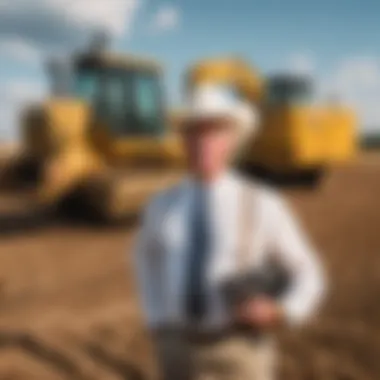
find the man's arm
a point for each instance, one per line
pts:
(307, 284)
(147, 263)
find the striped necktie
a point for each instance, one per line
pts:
(198, 253)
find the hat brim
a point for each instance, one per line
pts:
(210, 119)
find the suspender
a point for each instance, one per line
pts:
(245, 225)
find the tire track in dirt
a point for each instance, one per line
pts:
(67, 309)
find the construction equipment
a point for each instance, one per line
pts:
(103, 144)
(296, 136)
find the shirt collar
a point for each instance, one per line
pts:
(220, 184)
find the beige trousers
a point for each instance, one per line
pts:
(230, 358)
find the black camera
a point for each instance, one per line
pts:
(271, 280)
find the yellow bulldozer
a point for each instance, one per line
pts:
(103, 146)
(298, 138)
(108, 143)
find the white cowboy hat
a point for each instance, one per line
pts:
(208, 101)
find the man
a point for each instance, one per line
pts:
(212, 227)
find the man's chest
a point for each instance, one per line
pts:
(236, 242)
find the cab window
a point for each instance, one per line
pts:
(85, 84)
(148, 104)
(289, 90)
(112, 101)
(127, 102)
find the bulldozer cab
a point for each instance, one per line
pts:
(286, 89)
(125, 94)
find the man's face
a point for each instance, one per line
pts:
(209, 146)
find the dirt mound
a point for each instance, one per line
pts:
(67, 309)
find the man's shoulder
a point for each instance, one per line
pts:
(265, 194)
(162, 200)
(270, 196)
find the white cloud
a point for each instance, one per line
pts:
(358, 73)
(57, 24)
(166, 18)
(17, 49)
(301, 63)
(14, 97)
(355, 81)
(9, 122)
(32, 29)
(114, 16)
(19, 92)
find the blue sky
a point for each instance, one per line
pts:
(338, 42)
(266, 31)
(270, 33)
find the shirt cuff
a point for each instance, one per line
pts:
(295, 311)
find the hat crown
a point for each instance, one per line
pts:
(213, 97)
(215, 101)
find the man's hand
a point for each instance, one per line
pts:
(261, 312)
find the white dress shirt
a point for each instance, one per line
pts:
(160, 254)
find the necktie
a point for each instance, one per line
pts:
(199, 247)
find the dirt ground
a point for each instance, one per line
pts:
(67, 309)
